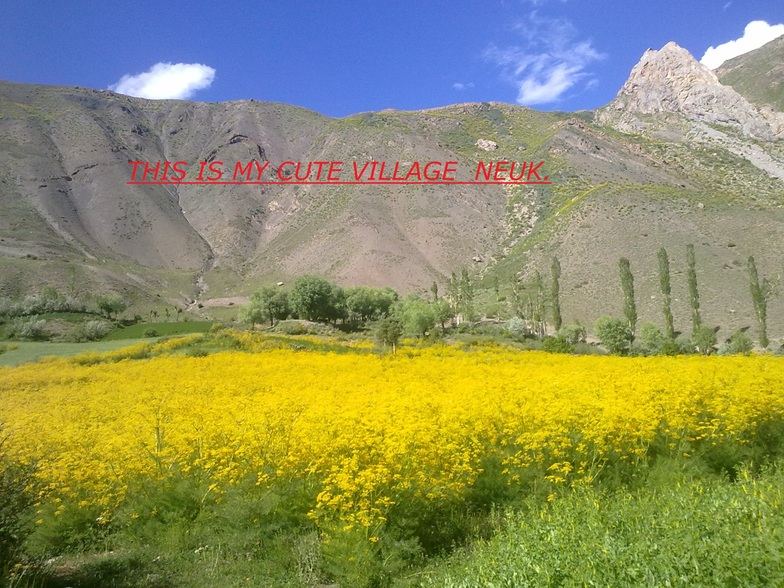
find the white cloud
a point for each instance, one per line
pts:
(549, 63)
(460, 86)
(756, 34)
(166, 80)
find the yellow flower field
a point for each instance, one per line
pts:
(368, 431)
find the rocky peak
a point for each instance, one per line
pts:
(672, 80)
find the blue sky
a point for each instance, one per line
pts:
(340, 58)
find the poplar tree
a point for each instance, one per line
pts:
(694, 295)
(759, 296)
(666, 290)
(466, 289)
(536, 304)
(555, 294)
(629, 306)
(453, 293)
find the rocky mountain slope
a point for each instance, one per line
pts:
(678, 157)
(758, 75)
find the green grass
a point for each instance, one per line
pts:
(28, 351)
(163, 330)
(677, 530)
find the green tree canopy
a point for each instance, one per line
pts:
(312, 298)
(613, 333)
(111, 304)
(267, 304)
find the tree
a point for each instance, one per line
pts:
(434, 290)
(666, 290)
(312, 298)
(466, 289)
(555, 294)
(336, 309)
(453, 293)
(365, 303)
(442, 312)
(388, 332)
(267, 304)
(111, 304)
(361, 303)
(517, 298)
(694, 295)
(417, 315)
(629, 306)
(760, 294)
(536, 305)
(384, 299)
(613, 333)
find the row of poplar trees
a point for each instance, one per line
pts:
(761, 293)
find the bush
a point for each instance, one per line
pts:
(96, 329)
(557, 345)
(48, 301)
(573, 333)
(613, 333)
(651, 339)
(741, 343)
(516, 328)
(670, 347)
(684, 345)
(151, 332)
(34, 329)
(292, 329)
(111, 304)
(705, 339)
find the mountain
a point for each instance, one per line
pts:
(678, 157)
(758, 75)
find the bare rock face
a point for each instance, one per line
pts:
(486, 144)
(672, 80)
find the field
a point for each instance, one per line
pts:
(279, 462)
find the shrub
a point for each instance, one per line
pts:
(516, 328)
(684, 345)
(292, 329)
(96, 329)
(111, 304)
(557, 345)
(151, 332)
(33, 328)
(651, 338)
(741, 343)
(573, 333)
(670, 347)
(705, 339)
(613, 333)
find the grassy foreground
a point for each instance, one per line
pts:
(235, 459)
